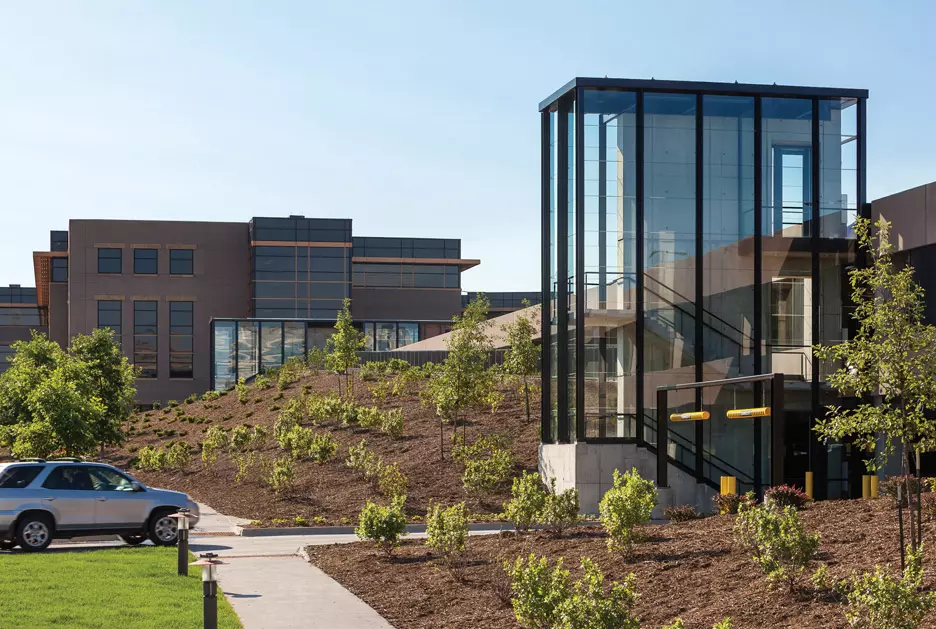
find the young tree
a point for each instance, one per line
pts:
(889, 365)
(343, 347)
(523, 357)
(463, 380)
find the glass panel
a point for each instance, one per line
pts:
(224, 355)
(610, 247)
(294, 339)
(180, 343)
(19, 316)
(271, 340)
(248, 358)
(553, 272)
(669, 251)
(181, 366)
(838, 167)
(145, 261)
(59, 269)
(786, 141)
(317, 336)
(568, 145)
(274, 290)
(144, 317)
(386, 337)
(109, 260)
(407, 333)
(369, 336)
(181, 262)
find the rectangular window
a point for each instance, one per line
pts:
(19, 316)
(108, 316)
(181, 262)
(386, 337)
(145, 261)
(787, 311)
(145, 337)
(59, 269)
(181, 330)
(109, 260)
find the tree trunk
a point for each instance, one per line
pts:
(339, 385)
(909, 493)
(526, 391)
(441, 439)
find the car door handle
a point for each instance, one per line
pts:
(49, 499)
(101, 499)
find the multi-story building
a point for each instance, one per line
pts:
(196, 305)
(696, 232)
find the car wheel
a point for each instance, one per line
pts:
(133, 540)
(34, 532)
(163, 530)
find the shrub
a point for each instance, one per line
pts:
(527, 498)
(215, 441)
(391, 481)
(560, 510)
(245, 462)
(381, 390)
(282, 476)
(210, 396)
(263, 382)
(315, 359)
(323, 448)
(156, 405)
(258, 437)
(777, 540)
(537, 591)
(290, 417)
(397, 365)
(304, 444)
(488, 463)
(369, 417)
(243, 391)
(382, 525)
(348, 412)
(391, 423)
(172, 403)
(323, 408)
(360, 459)
(880, 600)
(178, 455)
(681, 513)
(447, 530)
(152, 459)
(786, 496)
(239, 438)
(191, 399)
(628, 503)
(728, 504)
(373, 370)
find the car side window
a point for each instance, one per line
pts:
(104, 479)
(70, 477)
(19, 477)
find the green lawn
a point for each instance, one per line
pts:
(130, 588)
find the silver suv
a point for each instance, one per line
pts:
(42, 500)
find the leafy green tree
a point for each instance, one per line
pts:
(343, 346)
(522, 359)
(628, 503)
(463, 380)
(890, 359)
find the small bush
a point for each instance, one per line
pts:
(239, 438)
(323, 448)
(348, 413)
(282, 476)
(258, 437)
(681, 513)
(777, 540)
(560, 510)
(215, 441)
(178, 455)
(391, 423)
(263, 382)
(152, 459)
(315, 359)
(360, 458)
(245, 463)
(383, 525)
(628, 503)
(242, 390)
(488, 463)
(210, 396)
(369, 417)
(323, 408)
(372, 370)
(391, 481)
(880, 600)
(447, 530)
(172, 404)
(728, 504)
(156, 405)
(527, 498)
(786, 496)
(191, 399)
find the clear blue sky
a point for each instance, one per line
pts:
(412, 118)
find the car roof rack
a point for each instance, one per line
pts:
(31, 459)
(68, 459)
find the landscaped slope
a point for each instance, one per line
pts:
(328, 492)
(690, 570)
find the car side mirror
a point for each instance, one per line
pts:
(137, 486)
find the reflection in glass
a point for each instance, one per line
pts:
(248, 358)
(271, 344)
(294, 339)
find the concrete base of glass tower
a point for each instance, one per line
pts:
(589, 467)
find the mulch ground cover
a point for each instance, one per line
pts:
(690, 570)
(331, 491)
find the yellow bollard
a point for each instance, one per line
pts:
(729, 485)
(874, 486)
(809, 484)
(865, 486)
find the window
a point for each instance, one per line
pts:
(109, 260)
(145, 338)
(787, 311)
(405, 276)
(69, 477)
(407, 333)
(108, 316)
(19, 316)
(181, 330)
(181, 262)
(18, 476)
(59, 269)
(145, 261)
(386, 337)
(104, 479)
(58, 241)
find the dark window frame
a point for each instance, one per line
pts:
(182, 362)
(181, 262)
(148, 361)
(118, 329)
(105, 256)
(139, 260)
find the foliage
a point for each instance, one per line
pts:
(242, 390)
(191, 399)
(527, 498)
(369, 416)
(391, 422)
(324, 408)
(391, 481)
(178, 455)
(245, 462)
(522, 359)
(728, 504)
(287, 420)
(629, 502)
(343, 347)
(463, 380)
(151, 459)
(305, 444)
(488, 462)
(786, 496)
(239, 438)
(315, 359)
(34, 439)
(282, 476)
(681, 513)
(880, 600)
(907, 484)
(560, 510)
(777, 541)
(214, 442)
(289, 372)
(537, 591)
(383, 525)
(263, 382)
(447, 530)
(360, 458)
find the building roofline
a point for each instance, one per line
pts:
(707, 87)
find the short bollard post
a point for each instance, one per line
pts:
(183, 530)
(208, 563)
(809, 485)
(866, 487)
(875, 485)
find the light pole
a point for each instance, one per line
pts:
(183, 530)
(208, 561)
